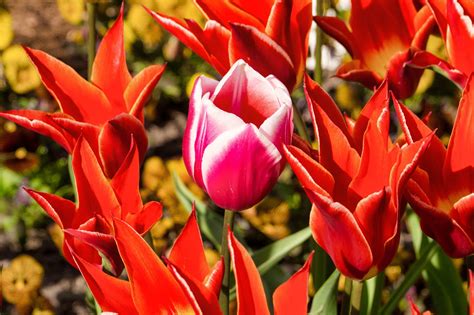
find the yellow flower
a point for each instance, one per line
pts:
(71, 10)
(19, 71)
(6, 29)
(21, 280)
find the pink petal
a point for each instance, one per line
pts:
(240, 167)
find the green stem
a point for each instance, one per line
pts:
(410, 277)
(322, 267)
(299, 124)
(92, 37)
(318, 69)
(346, 300)
(224, 296)
(356, 296)
(377, 294)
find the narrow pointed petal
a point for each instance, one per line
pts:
(93, 188)
(205, 300)
(61, 210)
(250, 152)
(140, 89)
(438, 8)
(277, 24)
(115, 141)
(355, 71)
(310, 173)
(316, 96)
(463, 213)
(291, 297)
(42, 123)
(458, 169)
(213, 280)
(102, 242)
(250, 293)
(143, 269)
(337, 29)
(424, 59)
(259, 9)
(338, 233)
(126, 183)
(471, 292)
(111, 293)
(76, 97)
(194, 266)
(144, 220)
(226, 12)
(262, 53)
(109, 71)
(179, 29)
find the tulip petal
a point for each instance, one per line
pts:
(291, 297)
(438, 8)
(206, 302)
(225, 13)
(93, 188)
(240, 93)
(463, 213)
(213, 280)
(310, 173)
(458, 168)
(101, 242)
(253, 155)
(471, 292)
(139, 89)
(278, 128)
(76, 97)
(250, 293)
(316, 96)
(259, 9)
(194, 266)
(262, 53)
(424, 59)
(144, 220)
(42, 123)
(441, 227)
(109, 71)
(115, 142)
(112, 294)
(61, 210)
(126, 183)
(277, 24)
(337, 29)
(459, 37)
(355, 71)
(144, 268)
(335, 229)
(335, 153)
(179, 29)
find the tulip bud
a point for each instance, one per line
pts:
(235, 135)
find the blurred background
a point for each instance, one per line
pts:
(35, 279)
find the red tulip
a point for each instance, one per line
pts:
(356, 185)
(290, 297)
(99, 201)
(185, 285)
(271, 36)
(382, 35)
(110, 106)
(233, 140)
(441, 191)
(454, 18)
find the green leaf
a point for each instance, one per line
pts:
(444, 281)
(210, 222)
(270, 255)
(324, 302)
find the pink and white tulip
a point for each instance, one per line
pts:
(235, 135)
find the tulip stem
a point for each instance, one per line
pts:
(92, 34)
(224, 296)
(346, 300)
(299, 124)
(356, 296)
(318, 69)
(411, 276)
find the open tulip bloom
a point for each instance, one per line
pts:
(381, 37)
(454, 18)
(270, 35)
(441, 190)
(357, 184)
(106, 112)
(235, 133)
